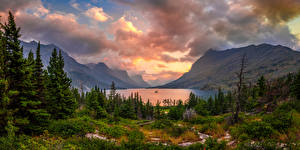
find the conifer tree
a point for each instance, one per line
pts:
(296, 86)
(60, 102)
(261, 85)
(210, 104)
(20, 91)
(4, 100)
(39, 75)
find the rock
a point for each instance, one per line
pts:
(203, 136)
(227, 137)
(96, 136)
(155, 139)
(231, 143)
(185, 144)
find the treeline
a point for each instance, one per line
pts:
(29, 95)
(112, 105)
(263, 96)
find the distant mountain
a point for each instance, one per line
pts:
(88, 75)
(217, 68)
(140, 81)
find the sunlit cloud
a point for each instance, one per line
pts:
(159, 39)
(97, 14)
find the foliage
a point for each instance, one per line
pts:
(255, 130)
(176, 112)
(280, 119)
(68, 128)
(161, 124)
(60, 101)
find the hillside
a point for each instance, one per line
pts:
(218, 68)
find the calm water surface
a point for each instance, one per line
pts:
(160, 94)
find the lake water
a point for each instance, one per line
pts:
(153, 95)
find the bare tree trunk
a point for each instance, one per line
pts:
(240, 83)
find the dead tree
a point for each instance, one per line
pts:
(241, 78)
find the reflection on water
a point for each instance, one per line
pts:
(153, 95)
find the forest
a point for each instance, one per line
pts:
(40, 110)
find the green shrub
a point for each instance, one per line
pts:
(201, 109)
(208, 126)
(280, 119)
(213, 144)
(197, 146)
(175, 113)
(176, 130)
(243, 137)
(67, 128)
(90, 144)
(115, 131)
(207, 119)
(257, 129)
(263, 145)
(161, 124)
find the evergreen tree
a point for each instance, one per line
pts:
(296, 86)
(261, 86)
(4, 99)
(210, 104)
(60, 102)
(192, 101)
(157, 111)
(23, 106)
(39, 75)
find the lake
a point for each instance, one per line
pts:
(153, 95)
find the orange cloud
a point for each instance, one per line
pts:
(97, 14)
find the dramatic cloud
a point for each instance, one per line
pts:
(64, 31)
(15, 5)
(160, 38)
(97, 14)
(277, 10)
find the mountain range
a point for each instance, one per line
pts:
(218, 68)
(87, 75)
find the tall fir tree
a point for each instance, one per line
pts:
(18, 75)
(39, 75)
(60, 101)
(296, 86)
(4, 99)
(261, 86)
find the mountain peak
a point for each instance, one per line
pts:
(217, 68)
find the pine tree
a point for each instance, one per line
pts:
(39, 75)
(60, 102)
(4, 99)
(296, 86)
(261, 85)
(210, 104)
(20, 91)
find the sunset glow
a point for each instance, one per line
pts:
(159, 39)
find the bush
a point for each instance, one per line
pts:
(175, 113)
(213, 144)
(90, 144)
(257, 129)
(115, 131)
(161, 124)
(201, 109)
(176, 130)
(67, 128)
(197, 146)
(264, 145)
(280, 119)
(207, 119)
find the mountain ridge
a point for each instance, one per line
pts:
(217, 68)
(86, 75)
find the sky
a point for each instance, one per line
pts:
(159, 39)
